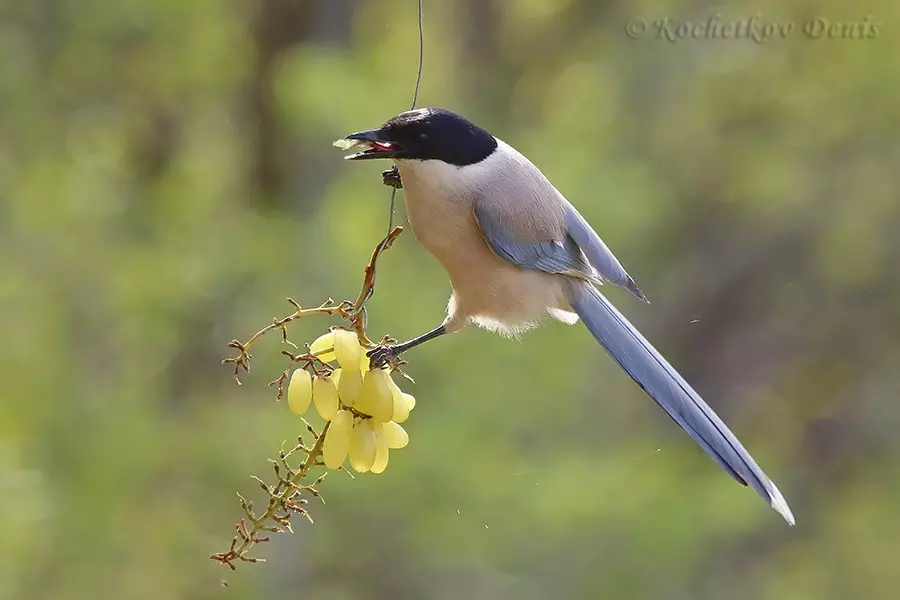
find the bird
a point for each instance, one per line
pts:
(516, 250)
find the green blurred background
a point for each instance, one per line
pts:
(167, 178)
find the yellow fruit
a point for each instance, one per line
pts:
(347, 349)
(345, 144)
(394, 435)
(410, 400)
(364, 362)
(337, 439)
(326, 343)
(362, 446)
(401, 408)
(336, 377)
(325, 397)
(349, 384)
(381, 450)
(375, 397)
(299, 391)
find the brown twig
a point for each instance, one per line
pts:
(284, 501)
(368, 287)
(353, 312)
(285, 495)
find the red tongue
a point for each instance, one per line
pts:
(381, 145)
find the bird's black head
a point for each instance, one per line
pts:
(425, 134)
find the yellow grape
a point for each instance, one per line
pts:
(349, 384)
(345, 144)
(363, 362)
(336, 377)
(362, 446)
(324, 342)
(337, 439)
(375, 397)
(381, 450)
(395, 435)
(325, 397)
(401, 408)
(299, 391)
(408, 398)
(347, 349)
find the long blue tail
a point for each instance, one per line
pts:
(671, 392)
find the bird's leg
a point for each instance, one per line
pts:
(381, 355)
(391, 178)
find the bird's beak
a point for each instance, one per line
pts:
(374, 142)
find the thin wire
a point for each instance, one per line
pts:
(411, 106)
(421, 60)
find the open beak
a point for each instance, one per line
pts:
(373, 143)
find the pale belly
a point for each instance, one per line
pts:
(487, 290)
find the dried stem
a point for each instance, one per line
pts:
(284, 501)
(285, 496)
(353, 312)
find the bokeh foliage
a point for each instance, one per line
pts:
(166, 179)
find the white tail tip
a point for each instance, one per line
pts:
(780, 504)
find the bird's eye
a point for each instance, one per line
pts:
(423, 136)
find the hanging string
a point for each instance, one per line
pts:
(411, 106)
(388, 238)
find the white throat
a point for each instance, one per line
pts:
(448, 178)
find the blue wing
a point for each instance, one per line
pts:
(581, 253)
(598, 254)
(564, 257)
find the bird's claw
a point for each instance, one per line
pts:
(382, 355)
(391, 178)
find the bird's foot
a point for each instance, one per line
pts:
(382, 355)
(391, 178)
